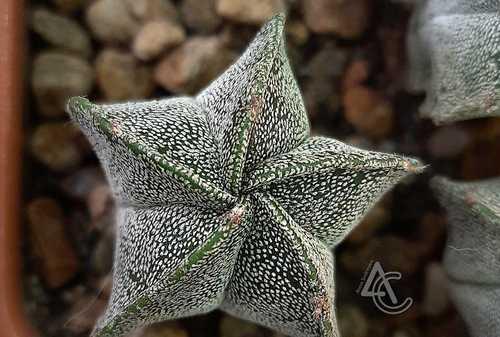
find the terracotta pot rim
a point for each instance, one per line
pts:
(13, 321)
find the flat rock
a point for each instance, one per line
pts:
(121, 77)
(157, 36)
(57, 76)
(250, 12)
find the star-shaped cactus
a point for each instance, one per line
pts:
(472, 256)
(454, 53)
(225, 201)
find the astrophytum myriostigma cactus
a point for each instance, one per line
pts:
(225, 201)
(454, 55)
(472, 256)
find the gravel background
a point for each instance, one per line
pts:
(349, 59)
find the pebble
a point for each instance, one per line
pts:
(193, 65)
(233, 327)
(250, 12)
(59, 145)
(56, 77)
(352, 322)
(111, 21)
(200, 16)
(155, 37)
(121, 77)
(147, 10)
(436, 296)
(55, 257)
(61, 32)
(348, 19)
(448, 142)
(368, 111)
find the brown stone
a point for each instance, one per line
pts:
(200, 16)
(368, 111)
(251, 12)
(193, 65)
(155, 37)
(121, 77)
(357, 73)
(60, 146)
(347, 18)
(57, 261)
(99, 200)
(297, 31)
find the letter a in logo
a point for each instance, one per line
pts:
(378, 287)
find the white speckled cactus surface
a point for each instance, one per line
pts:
(226, 201)
(472, 255)
(454, 54)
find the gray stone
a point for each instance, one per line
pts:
(61, 32)
(56, 77)
(111, 21)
